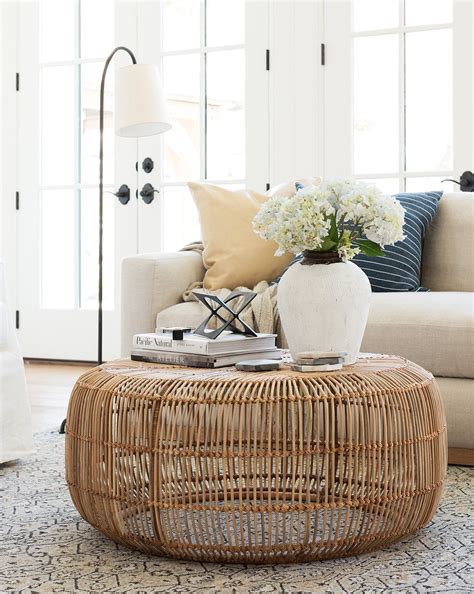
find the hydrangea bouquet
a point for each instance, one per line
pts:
(343, 216)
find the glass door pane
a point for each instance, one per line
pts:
(433, 12)
(89, 254)
(370, 15)
(97, 28)
(429, 96)
(225, 114)
(225, 20)
(182, 146)
(58, 238)
(181, 219)
(428, 184)
(90, 76)
(376, 107)
(57, 120)
(181, 24)
(57, 43)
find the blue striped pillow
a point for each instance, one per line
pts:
(400, 268)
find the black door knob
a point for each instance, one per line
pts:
(148, 165)
(147, 193)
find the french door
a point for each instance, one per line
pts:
(398, 92)
(58, 144)
(199, 46)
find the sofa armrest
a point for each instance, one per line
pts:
(151, 283)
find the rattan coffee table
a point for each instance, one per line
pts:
(222, 465)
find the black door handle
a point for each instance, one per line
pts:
(123, 194)
(147, 193)
(466, 182)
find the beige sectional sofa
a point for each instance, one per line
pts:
(435, 329)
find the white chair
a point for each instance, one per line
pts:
(16, 439)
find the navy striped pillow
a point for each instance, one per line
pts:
(400, 268)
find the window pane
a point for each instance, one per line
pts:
(428, 12)
(90, 105)
(225, 22)
(375, 14)
(376, 108)
(388, 185)
(90, 249)
(57, 249)
(97, 28)
(429, 117)
(57, 125)
(181, 218)
(57, 42)
(181, 83)
(225, 115)
(181, 21)
(428, 184)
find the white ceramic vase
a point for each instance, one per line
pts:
(324, 306)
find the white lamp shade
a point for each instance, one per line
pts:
(140, 108)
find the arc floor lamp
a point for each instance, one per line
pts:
(140, 110)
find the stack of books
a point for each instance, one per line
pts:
(318, 361)
(195, 350)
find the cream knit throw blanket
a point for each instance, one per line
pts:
(261, 314)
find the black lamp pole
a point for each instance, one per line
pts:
(101, 196)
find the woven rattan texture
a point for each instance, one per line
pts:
(262, 467)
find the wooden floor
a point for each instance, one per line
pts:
(49, 387)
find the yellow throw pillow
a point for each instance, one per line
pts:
(234, 256)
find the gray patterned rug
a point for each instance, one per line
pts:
(45, 546)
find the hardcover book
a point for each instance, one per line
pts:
(227, 343)
(196, 360)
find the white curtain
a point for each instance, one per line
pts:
(16, 438)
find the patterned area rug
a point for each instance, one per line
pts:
(45, 546)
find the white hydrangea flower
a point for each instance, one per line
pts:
(303, 221)
(386, 226)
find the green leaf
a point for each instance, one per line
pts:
(333, 230)
(369, 248)
(327, 245)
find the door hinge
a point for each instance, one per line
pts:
(17, 81)
(323, 54)
(267, 59)
(17, 200)
(267, 187)
(17, 319)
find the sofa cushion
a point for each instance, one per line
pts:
(448, 251)
(400, 268)
(435, 330)
(189, 314)
(234, 255)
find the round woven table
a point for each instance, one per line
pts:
(279, 466)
